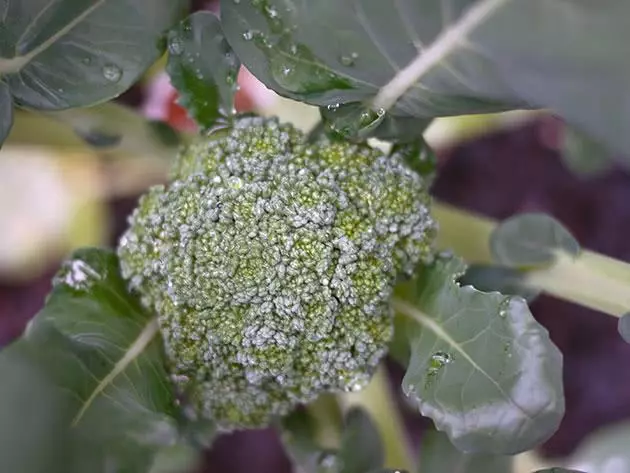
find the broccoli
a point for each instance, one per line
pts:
(270, 262)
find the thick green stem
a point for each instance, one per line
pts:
(378, 399)
(591, 279)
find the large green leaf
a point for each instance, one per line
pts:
(203, 68)
(96, 356)
(438, 455)
(58, 54)
(6, 112)
(480, 366)
(427, 58)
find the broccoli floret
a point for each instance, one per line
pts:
(270, 262)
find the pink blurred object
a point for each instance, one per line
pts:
(161, 102)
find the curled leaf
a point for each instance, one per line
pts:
(480, 365)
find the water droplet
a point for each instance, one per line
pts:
(175, 46)
(504, 307)
(87, 61)
(248, 35)
(328, 462)
(438, 360)
(235, 182)
(349, 60)
(76, 274)
(333, 107)
(112, 72)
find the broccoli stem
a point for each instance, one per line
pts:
(591, 279)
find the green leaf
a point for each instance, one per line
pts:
(481, 366)
(427, 58)
(438, 455)
(361, 449)
(96, 353)
(624, 327)
(358, 122)
(605, 450)
(503, 279)
(583, 155)
(531, 240)
(72, 53)
(203, 68)
(6, 112)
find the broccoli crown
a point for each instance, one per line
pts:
(270, 262)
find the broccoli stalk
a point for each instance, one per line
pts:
(270, 262)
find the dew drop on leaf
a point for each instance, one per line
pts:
(504, 307)
(348, 60)
(76, 274)
(112, 72)
(438, 360)
(333, 107)
(248, 35)
(175, 46)
(328, 462)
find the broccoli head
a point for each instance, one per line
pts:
(270, 261)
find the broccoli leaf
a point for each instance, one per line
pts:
(438, 455)
(624, 327)
(531, 240)
(605, 450)
(96, 355)
(422, 58)
(77, 53)
(6, 112)
(480, 366)
(203, 68)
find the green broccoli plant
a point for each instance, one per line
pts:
(266, 281)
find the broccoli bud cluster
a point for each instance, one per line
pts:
(270, 262)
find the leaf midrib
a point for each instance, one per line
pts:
(17, 63)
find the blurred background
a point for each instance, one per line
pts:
(60, 190)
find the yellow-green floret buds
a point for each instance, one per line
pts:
(270, 262)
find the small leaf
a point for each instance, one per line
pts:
(503, 279)
(481, 366)
(624, 327)
(583, 155)
(6, 112)
(438, 455)
(95, 350)
(78, 53)
(298, 434)
(358, 122)
(361, 449)
(111, 125)
(203, 68)
(531, 240)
